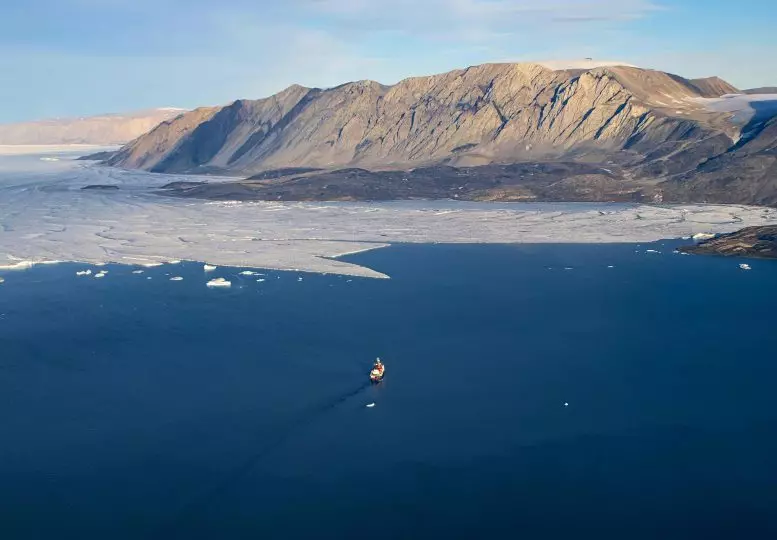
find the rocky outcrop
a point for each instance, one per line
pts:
(480, 115)
(104, 130)
(758, 242)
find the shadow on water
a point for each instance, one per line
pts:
(200, 502)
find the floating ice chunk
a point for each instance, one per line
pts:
(100, 274)
(137, 271)
(651, 251)
(2, 280)
(219, 282)
(370, 405)
(174, 261)
(249, 273)
(209, 267)
(260, 280)
(84, 273)
(99, 264)
(744, 266)
(703, 236)
(299, 278)
(568, 268)
(566, 404)
(176, 278)
(151, 264)
(611, 266)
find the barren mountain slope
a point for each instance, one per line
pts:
(479, 115)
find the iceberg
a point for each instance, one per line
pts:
(219, 282)
(84, 273)
(209, 268)
(176, 278)
(137, 271)
(744, 266)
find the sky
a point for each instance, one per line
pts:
(64, 58)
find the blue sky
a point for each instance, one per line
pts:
(80, 57)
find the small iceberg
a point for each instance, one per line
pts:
(2, 280)
(299, 278)
(152, 264)
(744, 266)
(651, 251)
(174, 261)
(137, 271)
(260, 280)
(84, 273)
(370, 405)
(219, 282)
(209, 268)
(100, 274)
(249, 273)
(176, 278)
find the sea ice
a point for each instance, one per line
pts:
(176, 278)
(209, 267)
(84, 273)
(134, 227)
(744, 266)
(137, 271)
(219, 282)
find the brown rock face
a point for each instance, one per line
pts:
(759, 242)
(480, 115)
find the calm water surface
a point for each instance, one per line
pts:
(531, 392)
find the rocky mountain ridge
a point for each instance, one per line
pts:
(654, 127)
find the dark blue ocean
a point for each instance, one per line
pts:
(531, 392)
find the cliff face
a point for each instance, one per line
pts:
(107, 129)
(484, 114)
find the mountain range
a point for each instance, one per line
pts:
(615, 132)
(103, 130)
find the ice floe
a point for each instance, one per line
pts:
(137, 271)
(84, 273)
(101, 274)
(135, 227)
(176, 278)
(249, 273)
(744, 266)
(219, 282)
(209, 267)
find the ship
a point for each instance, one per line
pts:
(378, 371)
